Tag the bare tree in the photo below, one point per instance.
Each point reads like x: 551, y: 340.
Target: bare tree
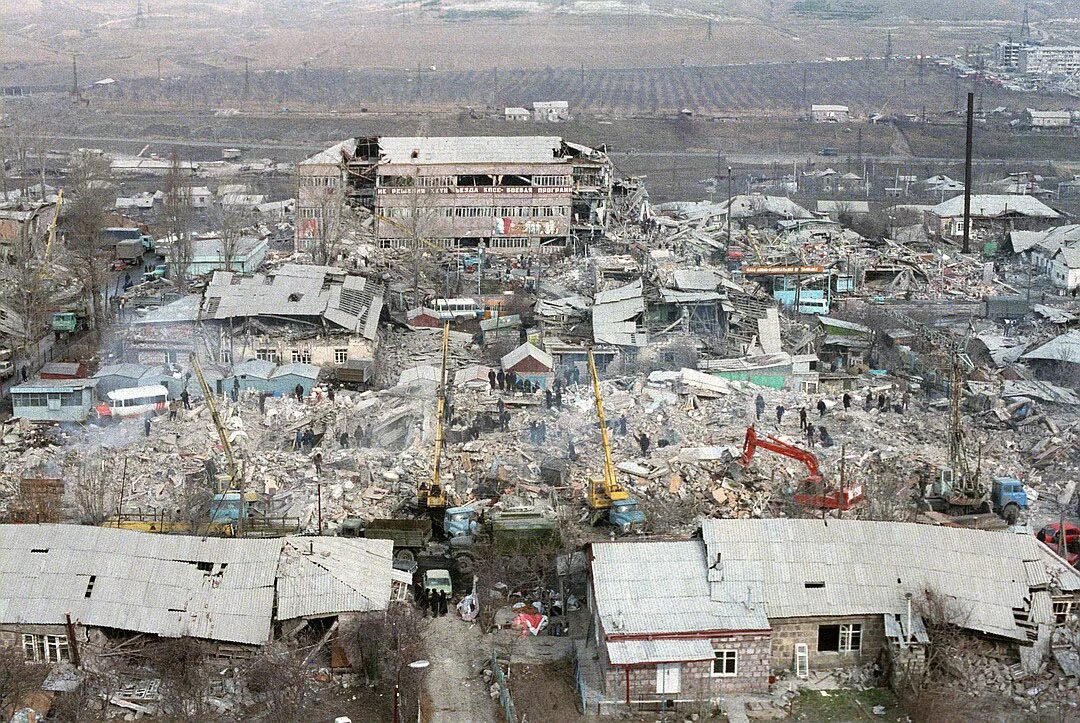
x: 186, y: 675
x: 278, y: 679
x: 176, y: 219
x: 233, y: 222
x: 18, y: 679
x: 93, y: 492
x: 330, y: 210
x: 89, y: 188
x: 382, y: 646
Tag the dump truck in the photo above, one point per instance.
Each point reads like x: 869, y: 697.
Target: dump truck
x: 410, y: 537
x: 513, y: 532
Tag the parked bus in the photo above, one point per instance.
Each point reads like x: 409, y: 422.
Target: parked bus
x: 134, y: 402
x: 453, y: 309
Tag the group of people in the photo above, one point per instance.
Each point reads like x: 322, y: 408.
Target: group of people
x: 511, y: 382
x: 435, y: 603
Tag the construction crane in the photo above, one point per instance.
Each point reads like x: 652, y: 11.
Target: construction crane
x: 51, y: 235
x: 431, y: 495
x: 812, y: 491
x: 223, y: 435
x: 607, y: 494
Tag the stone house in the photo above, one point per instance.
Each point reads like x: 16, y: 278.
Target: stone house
x: 678, y: 623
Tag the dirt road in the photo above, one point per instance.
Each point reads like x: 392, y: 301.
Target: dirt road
x: 454, y: 684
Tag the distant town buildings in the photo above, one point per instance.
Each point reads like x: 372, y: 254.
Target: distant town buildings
x: 1050, y: 59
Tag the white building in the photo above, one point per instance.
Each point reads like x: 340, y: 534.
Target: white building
x: 830, y: 113
x: 1065, y: 268
x: 1049, y: 118
x: 517, y: 114
x: 1050, y: 60
x: 552, y: 111
x: 201, y: 197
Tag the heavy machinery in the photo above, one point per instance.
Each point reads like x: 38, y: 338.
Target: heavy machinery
x: 607, y: 498
x: 431, y: 496
x: 812, y: 491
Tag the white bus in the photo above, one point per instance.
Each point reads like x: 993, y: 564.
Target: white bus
x: 453, y: 309
x: 134, y: 402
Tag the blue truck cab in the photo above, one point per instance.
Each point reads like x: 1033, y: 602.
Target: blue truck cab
x: 227, y: 507
x: 625, y: 516
x: 1008, y: 497
x: 460, y: 522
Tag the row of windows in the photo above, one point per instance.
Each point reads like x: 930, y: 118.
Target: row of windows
x: 319, y: 181
x: 42, y: 399
x: 138, y: 402
x: 546, y: 181
x: 299, y: 356
x: 480, y: 212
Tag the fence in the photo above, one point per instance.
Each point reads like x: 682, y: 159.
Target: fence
x: 505, y: 699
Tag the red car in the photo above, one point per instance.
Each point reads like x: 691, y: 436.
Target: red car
x: 1051, y: 537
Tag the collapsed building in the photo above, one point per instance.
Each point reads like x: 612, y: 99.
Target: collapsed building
x: 499, y: 194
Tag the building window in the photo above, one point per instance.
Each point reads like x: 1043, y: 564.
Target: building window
x: 266, y: 354
x: 846, y: 638
x: 1062, y: 610
x: 226, y: 356
x: 725, y: 664
x: 301, y: 356
x: 45, y: 648
x: 172, y: 357
x: 341, y: 356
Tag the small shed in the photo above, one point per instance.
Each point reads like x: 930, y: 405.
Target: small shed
x: 53, y: 400
x: 252, y: 374
x: 423, y: 318
x: 474, y: 376
x: 63, y: 370
x: 118, y: 376
x: 530, y: 363
x: 286, y: 377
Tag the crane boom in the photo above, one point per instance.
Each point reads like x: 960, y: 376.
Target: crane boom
x: 812, y: 492
x: 432, y: 495
x: 226, y: 446
x: 51, y: 236
x: 603, y: 493
x: 772, y: 444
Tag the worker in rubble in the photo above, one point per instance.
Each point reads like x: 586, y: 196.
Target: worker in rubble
x: 847, y: 401
x: 491, y: 379
x: 500, y: 407
x: 146, y: 425
x: 298, y: 440
x: 779, y: 414
x: 881, y: 402
x: 316, y: 459
x: 235, y: 389
x: 558, y: 399
x: 501, y: 377
x: 262, y: 402
x: 309, y: 438
x: 821, y: 407
x: 869, y: 400
x: 174, y: 409
x: 330, y: 394
x: 571, y: 451
x: 759, y: 405
x: 802, y: 418
x: 622, y: 425
x: 905, y: 400
x: 343, y: 439
x: 823, y: 434
x: 644, y: 443
x: 548, y: 399
x: 810, y: 436
x: 299, y: 392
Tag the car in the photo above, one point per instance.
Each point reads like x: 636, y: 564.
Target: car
x: 1051, y: 537
x: 438, y: 580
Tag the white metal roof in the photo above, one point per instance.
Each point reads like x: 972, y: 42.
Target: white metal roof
x: 471, y: 149
x: 320, y: 576
x: 1064, y: 348
x: 527, y: 350
x: 994, y: 205
x: 805, y: 568
x: 635, y: 652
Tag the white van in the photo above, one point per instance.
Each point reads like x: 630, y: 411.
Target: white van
x: 134, y: 402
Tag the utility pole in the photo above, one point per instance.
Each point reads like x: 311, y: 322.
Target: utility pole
x: 888, y: 48
x: 716, y: 184
x: 729, y: 206
x: 708, y: 30
x: 247, y: 77
x: 1025, y: 28
x: 74, y: 76
x: 967, y: 171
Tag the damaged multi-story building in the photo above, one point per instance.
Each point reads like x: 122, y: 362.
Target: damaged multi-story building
x: 499, y: 194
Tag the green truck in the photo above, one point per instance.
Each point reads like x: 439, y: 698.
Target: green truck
x: 515, y: 532
x: 410, y: 537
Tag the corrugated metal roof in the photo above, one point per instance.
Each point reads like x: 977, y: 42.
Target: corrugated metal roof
x: 631, y: 652
x: 663, y: 587
x: 471, y: 149
x: 994, y: 205
x: 867, y: 567
x: 527, y: 350
x: 309, y: 371
x: 143, y: 582
x: 1062, y: 348
x: 330, y: 575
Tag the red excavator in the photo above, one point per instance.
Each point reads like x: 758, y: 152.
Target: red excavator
x: 812, y: 491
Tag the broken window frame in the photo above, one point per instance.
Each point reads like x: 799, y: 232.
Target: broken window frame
x: 848, y: 638
x: 45, y: 648
x: 1062, y: 610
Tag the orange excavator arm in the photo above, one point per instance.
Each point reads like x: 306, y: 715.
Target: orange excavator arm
x: 774, y: 445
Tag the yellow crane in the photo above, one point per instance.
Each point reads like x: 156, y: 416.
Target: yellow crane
x: 608, y: 494
x: 51, y: 234
x: 223, y: 435
x: 432, y: 495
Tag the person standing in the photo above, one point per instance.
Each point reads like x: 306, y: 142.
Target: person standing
x: 869, y: 400
x: 316, y: 459
x: 802, y: 418
x: 343, y: 439
x: 491, y: 379
x: 330, y: 394
x: 810, y: 435
x: 644, y: 443
x: 759, y: 405
x: 299, y: 392
x: 779, y: 414
x: 174, y: 409
x: 847, y: 401
x: 262, y: 402
x: 904, y: 400
x: 185, y: 398
x: 571, y: 451
x: 821, y: 408
x: 501, y: 377
x: 146, y: 425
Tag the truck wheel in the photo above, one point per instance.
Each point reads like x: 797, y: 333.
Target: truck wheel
x: 408, y: 555
x: 465, y: 565
x: 1011, y: 513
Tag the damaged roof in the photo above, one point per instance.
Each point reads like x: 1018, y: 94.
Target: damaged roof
x: 351, y: 302
x: 470, y: 149
x: 805, y: 568
x: 184, y: 586
x: 994, y: 205
x: 1062, y: 348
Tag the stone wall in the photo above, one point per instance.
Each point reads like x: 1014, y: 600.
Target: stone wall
x: 787, y: 633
